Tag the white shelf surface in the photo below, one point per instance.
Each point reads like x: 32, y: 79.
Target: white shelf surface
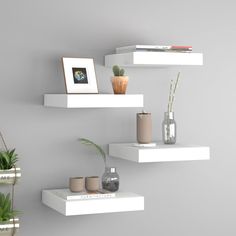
x: 122, y: 202
x: 93, y: 100
x: 160, y: 153
x: 153, y: 59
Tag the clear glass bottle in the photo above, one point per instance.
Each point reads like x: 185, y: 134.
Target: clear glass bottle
x: 169, y: 128
x: 110, y: 179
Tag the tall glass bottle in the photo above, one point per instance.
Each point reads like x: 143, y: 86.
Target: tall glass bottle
x: 169, y: 128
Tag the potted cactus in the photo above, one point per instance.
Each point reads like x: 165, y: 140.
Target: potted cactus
x: 8, y: 223
x: 119, y: 81
x: 9, y: 173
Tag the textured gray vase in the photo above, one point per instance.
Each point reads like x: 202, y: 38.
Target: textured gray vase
x: 144, y: 128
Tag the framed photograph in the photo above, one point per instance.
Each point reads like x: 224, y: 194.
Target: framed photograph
x: 80, y: 75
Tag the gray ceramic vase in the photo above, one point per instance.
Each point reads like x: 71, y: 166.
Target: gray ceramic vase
x: 144, y: 128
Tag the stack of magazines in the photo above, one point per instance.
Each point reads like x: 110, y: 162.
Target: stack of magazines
x: 153, y: 48
x: 68, y: 195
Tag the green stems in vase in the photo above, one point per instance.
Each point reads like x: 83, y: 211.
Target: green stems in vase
x: 173, y: 87
x: 169, y: 130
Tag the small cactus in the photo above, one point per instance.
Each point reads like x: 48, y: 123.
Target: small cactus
x: 118, y: 71
x: 122, y: 72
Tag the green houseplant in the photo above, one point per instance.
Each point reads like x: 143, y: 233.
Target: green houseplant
x: 6, y: 212
x: 8, y: 222
x: 8, y: 159
x: 9, y: 173
x: 119, y: 81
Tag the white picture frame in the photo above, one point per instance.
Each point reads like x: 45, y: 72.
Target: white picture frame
x: 79, y: 75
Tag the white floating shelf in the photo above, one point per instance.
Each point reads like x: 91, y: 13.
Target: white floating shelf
x: 153, y: 59
x: 160, y: 153
x: 122, y: 202
x: 93, y: 100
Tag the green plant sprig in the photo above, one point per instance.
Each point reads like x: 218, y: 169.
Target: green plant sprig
x: 8, y: 159
x: 97, y: 147
x: 173, y: 88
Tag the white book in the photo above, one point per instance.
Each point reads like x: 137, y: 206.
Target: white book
x: 145, y: 144
x: 133, y: 48
x: 152, y: 48
x: 68, y: 195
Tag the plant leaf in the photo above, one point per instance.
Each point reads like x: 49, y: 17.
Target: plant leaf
x: 97, y: 147
x: 6, y: 213
x: 8, y: 159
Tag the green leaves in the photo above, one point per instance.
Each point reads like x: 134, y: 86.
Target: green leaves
x: 8, y: 159
x: 97, y: 147
x: 6, y: 213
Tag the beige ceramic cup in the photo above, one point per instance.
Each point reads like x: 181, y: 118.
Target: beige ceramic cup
x: 76, y: 184
x: 92, y: 183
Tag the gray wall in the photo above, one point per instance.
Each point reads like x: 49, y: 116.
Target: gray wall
x: 187, y: 198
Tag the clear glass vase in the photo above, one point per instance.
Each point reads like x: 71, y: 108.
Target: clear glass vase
x: 110, y: 179
x: 169, y: 128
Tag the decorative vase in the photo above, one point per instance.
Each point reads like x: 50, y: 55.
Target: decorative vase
x: 169, y: 128
x: 144, y: 128
x: 110, y: 179
x: 119, y: 84
x: 76, y: 184
x: 92, y: 183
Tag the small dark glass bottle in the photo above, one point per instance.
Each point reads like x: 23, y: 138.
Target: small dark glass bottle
x: 110, y: 179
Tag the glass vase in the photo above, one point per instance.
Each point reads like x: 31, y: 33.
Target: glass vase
x: 110, y: 179
x: 169, y: 128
